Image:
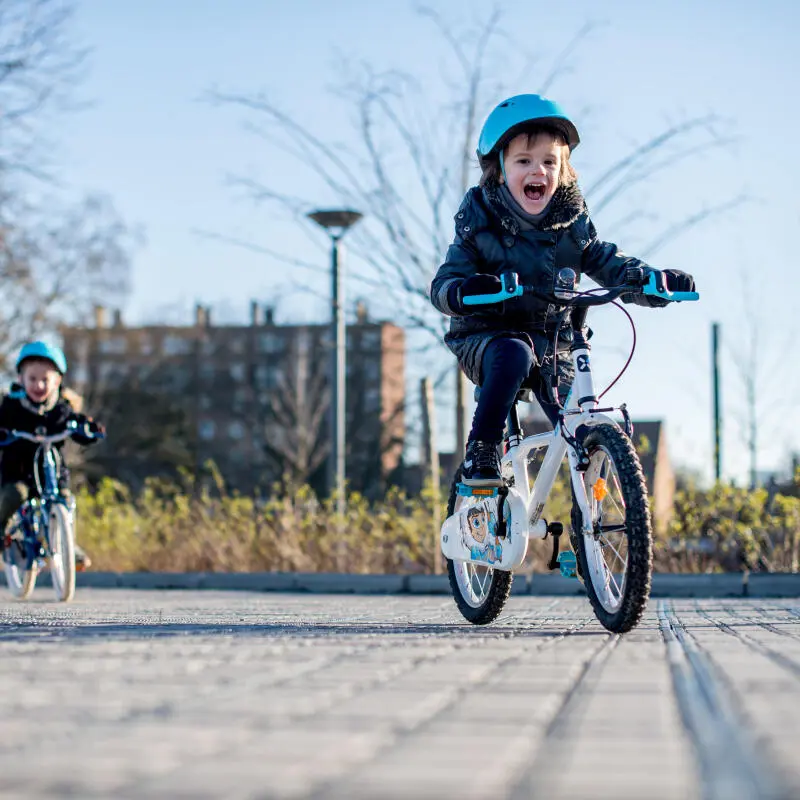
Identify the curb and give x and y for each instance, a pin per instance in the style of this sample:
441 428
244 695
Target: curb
722 585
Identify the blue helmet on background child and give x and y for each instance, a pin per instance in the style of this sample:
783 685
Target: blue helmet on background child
513 114
43 350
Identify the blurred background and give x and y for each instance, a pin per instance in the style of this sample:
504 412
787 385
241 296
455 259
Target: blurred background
158 162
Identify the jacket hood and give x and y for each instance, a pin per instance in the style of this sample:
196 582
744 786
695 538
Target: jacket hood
565 207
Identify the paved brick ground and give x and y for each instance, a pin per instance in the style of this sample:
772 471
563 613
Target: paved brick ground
234 695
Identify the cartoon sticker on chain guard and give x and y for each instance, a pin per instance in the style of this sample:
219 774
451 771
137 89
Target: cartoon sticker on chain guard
471 534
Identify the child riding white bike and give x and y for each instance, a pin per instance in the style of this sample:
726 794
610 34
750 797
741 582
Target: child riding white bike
34 403
527 216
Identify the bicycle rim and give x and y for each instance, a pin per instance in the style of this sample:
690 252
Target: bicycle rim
62 553
607 549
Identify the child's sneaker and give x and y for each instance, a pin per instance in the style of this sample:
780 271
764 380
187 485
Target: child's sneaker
481 465
82 560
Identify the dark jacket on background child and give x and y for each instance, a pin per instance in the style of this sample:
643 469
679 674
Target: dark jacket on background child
17 412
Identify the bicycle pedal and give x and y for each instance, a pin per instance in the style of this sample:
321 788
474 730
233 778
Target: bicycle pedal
477 491
568 564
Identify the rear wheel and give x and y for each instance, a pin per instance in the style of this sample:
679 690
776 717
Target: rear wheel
62 553
20 578
480 592
617 559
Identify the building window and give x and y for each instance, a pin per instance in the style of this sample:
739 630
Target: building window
371 339
237 372
146 346
208 347
372 399
270 342
207 429
207 373
236 430
113 346
236 345
372 371
177 346
239 399
266 376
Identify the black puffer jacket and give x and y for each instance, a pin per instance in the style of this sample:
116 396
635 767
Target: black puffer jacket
489 240
17 412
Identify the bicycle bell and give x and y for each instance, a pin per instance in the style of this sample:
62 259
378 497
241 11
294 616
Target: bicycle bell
565 284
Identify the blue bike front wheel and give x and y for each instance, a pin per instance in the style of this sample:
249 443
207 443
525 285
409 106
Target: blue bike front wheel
61 554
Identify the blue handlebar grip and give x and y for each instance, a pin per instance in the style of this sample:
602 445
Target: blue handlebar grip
651 288
510 288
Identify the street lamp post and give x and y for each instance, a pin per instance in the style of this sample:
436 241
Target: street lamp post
336 223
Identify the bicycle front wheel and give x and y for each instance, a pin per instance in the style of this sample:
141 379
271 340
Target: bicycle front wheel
62 553
616 560
20 578
480 592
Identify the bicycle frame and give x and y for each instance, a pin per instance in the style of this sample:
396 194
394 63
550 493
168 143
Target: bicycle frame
505 524
36 524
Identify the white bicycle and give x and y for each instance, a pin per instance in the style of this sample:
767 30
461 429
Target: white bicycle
485 536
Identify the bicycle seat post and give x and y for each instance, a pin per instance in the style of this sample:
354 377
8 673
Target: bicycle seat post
514 434
584 383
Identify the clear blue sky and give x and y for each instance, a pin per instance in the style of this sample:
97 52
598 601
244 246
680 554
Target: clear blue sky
163 156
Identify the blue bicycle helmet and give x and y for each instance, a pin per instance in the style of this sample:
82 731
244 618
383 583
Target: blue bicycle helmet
511 115
45 351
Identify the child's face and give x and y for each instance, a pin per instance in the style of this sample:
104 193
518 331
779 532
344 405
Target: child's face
39 379
533 167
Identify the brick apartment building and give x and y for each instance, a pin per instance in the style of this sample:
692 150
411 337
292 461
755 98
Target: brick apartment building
253 398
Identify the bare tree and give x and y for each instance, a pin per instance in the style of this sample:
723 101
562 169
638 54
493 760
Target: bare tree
295 438
39 68
295 400
404 172
760 362
56 259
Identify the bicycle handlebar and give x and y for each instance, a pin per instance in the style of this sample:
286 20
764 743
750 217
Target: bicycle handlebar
71 429
512 288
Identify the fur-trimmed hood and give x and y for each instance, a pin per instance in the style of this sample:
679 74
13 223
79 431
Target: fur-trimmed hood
562 211
64 395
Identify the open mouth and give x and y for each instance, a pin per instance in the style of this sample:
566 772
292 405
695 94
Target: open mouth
534 191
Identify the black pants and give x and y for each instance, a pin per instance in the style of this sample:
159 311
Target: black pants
507 364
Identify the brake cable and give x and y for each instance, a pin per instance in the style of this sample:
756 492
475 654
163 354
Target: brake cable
568 310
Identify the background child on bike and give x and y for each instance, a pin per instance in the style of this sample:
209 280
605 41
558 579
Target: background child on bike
36 401
527 216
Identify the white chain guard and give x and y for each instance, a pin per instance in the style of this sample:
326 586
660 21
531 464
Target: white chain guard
471 533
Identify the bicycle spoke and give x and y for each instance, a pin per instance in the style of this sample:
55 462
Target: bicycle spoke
616 552
619 494
614 581
484 581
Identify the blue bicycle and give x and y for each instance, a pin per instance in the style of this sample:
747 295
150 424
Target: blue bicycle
42 531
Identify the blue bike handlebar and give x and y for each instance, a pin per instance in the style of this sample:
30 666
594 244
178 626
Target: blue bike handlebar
653 288
71 429
512 288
